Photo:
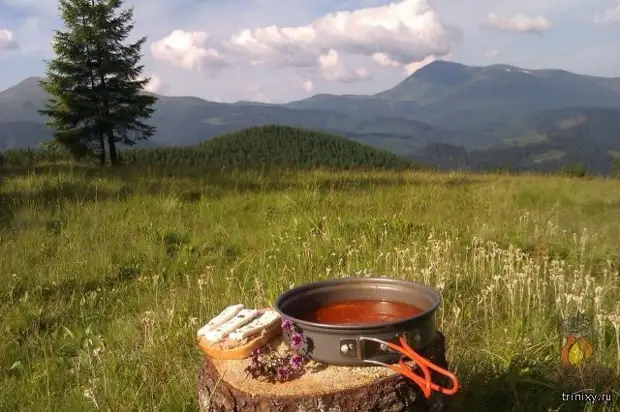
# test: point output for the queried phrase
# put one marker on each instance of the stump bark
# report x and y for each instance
(223, 386)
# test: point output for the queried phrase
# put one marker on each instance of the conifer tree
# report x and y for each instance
(96, 92)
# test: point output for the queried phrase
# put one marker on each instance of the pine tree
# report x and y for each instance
(97, 98)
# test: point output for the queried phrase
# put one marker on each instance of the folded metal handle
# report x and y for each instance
(424, 382)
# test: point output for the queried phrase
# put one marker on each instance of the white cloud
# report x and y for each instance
(332, 68)
(256, 94)
(156, 85)
(384, 60)
(187, 50)
(7, 41)
(611, 15)
(491, 54)
(413, 67)
(408, 68)
(392, 35)
(405, 31)
(517, 23)
(308, 86)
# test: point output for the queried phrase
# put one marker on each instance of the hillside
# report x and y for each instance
(552, 154)
(477, 102)
(109, 273)
(476, 98)
(272, 147)
(444, 103)
(596, 125)
(186, 121)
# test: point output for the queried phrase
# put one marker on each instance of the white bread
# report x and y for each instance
(224, 316)
(237, 345)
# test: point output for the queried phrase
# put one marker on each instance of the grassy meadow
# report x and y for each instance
(106, 274)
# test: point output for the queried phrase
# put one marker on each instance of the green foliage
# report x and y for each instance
(52, 147)
(271, 147)
(267, 147)
(94, 83)
(575, 170)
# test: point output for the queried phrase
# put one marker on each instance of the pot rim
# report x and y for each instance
(434, 294)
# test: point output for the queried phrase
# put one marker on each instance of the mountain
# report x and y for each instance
(458, 96)
(548, 141)
(442, 105)
(272, 146)
(552, 154)
(478, 100)
(595, 125)
(20, 134)
(184, 121)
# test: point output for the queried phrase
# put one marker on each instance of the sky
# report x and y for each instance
(283, 50)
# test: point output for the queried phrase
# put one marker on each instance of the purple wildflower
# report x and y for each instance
(258, 351)
(287, 325)
(296, 361)
(296, 340)
(282, 374)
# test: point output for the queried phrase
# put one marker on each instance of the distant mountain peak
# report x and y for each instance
(442, 72)
(32, 79)
(27, 89)
(443, 63)
(28, 82)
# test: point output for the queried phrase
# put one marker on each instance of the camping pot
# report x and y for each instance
(383, 343)
(367, 344)
(340, 344)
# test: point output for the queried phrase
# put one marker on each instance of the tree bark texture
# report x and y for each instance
(223, 387)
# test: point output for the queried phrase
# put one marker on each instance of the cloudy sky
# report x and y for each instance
(283, 50)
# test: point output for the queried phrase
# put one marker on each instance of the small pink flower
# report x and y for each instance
(287, 325)
(296, 340)
(282, 374)
(296, 361)
(258, 351)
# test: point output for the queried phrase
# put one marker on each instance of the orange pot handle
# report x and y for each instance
(424, 382)
(425, 363)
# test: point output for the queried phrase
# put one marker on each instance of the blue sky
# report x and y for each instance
(277, 51)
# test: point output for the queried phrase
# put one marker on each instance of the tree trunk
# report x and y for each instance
(224, 387)
(102, 153)
(113, 150)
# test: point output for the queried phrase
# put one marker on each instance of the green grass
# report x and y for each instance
(107, 274)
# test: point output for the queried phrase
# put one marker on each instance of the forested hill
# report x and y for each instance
(271, 146)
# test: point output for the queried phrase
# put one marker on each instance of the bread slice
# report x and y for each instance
(229, 349)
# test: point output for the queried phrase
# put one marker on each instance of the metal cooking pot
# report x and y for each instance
(370, 344)
(347, 344)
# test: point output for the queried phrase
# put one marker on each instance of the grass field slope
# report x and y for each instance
(106, 274)
(272, 147)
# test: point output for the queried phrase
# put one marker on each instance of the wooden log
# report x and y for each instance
(223, 386)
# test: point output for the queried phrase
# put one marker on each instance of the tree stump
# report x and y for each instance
(223, 386)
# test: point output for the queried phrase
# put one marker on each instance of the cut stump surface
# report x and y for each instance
(223, 386)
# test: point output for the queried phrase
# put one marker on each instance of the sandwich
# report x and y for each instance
(236, 332)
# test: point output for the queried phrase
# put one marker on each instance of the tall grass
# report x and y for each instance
(106, 275)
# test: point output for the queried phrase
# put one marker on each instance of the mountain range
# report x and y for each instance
(446, 114)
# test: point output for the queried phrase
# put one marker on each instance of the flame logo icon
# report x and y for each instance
(575, 347)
